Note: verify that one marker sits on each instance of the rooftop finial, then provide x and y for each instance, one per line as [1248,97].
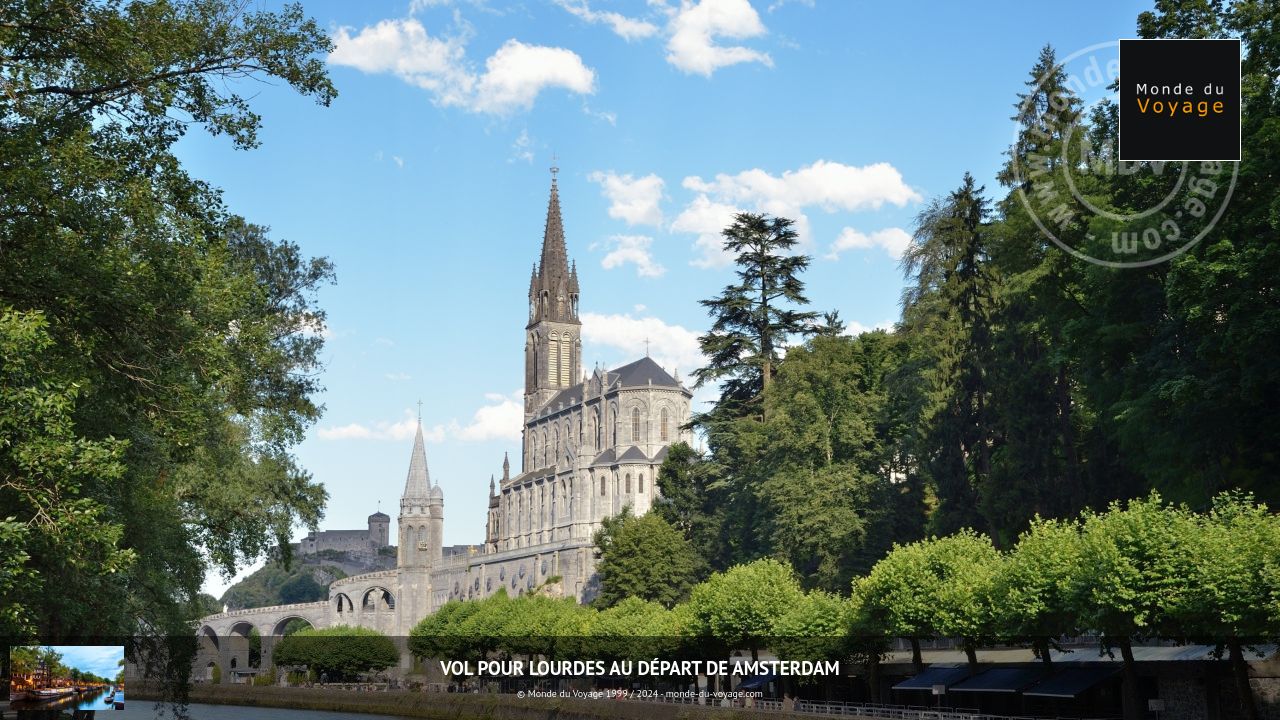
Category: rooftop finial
[554,168]
[419,410]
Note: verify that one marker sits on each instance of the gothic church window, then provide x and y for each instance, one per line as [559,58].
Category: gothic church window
[566,350]
[602,486]
[641,488]
[627,487]
[635,424]
[664,425]
[553,358]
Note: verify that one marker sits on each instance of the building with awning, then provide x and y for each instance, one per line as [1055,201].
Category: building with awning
[1071,682]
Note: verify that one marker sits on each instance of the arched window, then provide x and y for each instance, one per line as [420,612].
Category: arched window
[664,425]
[641,482]
[603,491]
[555,457]
[627,487]
[566,358]
[635,424]
[553,358]
[546,449]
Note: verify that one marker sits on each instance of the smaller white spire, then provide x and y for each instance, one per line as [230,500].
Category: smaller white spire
[418,482]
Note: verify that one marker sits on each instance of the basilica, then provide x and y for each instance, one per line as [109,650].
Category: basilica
[592,445]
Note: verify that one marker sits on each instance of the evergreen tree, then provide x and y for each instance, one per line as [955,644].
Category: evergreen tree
[754,318]
[949,302]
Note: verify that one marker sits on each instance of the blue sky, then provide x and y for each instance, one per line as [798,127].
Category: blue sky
[101,660]
[426,183]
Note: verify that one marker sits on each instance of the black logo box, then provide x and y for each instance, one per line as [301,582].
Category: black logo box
[1160,77]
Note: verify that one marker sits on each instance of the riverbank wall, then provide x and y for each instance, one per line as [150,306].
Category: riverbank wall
[449,706]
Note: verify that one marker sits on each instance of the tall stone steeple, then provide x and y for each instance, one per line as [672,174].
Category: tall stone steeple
[421,522]
[553,337]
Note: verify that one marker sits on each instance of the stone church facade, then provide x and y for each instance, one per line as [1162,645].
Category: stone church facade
[592,445]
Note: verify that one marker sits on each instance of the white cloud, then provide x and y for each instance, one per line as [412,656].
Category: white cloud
[402,429]
[829,185]
[627,28]
[893,240]
[522,148]
[398,160]
[605,115]
[398,377]
[638,201]
[671,346]
[512,79]
[779,3]
[706,219]
[694,28]
[516,73]
[633,249]
[853,327]
[640,307]
[501,419]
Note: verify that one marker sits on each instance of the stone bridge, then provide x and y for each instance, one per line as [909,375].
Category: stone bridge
[225,638]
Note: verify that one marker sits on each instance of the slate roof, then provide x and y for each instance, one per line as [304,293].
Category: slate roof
[641,372]
[634,374]
[633,454]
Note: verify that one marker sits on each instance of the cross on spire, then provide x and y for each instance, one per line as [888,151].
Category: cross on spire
[419,410]
[646,347]
[554,168]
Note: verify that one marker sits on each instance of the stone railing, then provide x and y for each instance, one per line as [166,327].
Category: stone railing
[268,610]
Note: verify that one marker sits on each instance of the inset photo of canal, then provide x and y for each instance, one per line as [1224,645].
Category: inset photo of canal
[49,680]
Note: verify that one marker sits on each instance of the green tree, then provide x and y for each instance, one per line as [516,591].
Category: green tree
[753,318]
[342,652]
[935,587]
[826,412]
[742,606]
[58,537]
[1032,591]
[1128,575]
[949,301]
[1232,570]
[688,502]
[645,558]
[182,349]
[632,629]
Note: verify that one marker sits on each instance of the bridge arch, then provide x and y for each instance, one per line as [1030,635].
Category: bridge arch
[282,625]
[343,603]
[208,638]
[378,599]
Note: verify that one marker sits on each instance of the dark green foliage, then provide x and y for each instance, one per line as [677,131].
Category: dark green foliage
[168,344]
[344,653]
[306,579]
[645,558]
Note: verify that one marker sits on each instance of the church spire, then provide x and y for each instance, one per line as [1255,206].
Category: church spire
[554,288]
[553,343]
[418,483]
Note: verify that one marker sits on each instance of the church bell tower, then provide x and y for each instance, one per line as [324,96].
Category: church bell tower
[421,521]
[553,337]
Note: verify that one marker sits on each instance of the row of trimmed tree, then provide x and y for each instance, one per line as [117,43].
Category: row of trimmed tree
[1142,571]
